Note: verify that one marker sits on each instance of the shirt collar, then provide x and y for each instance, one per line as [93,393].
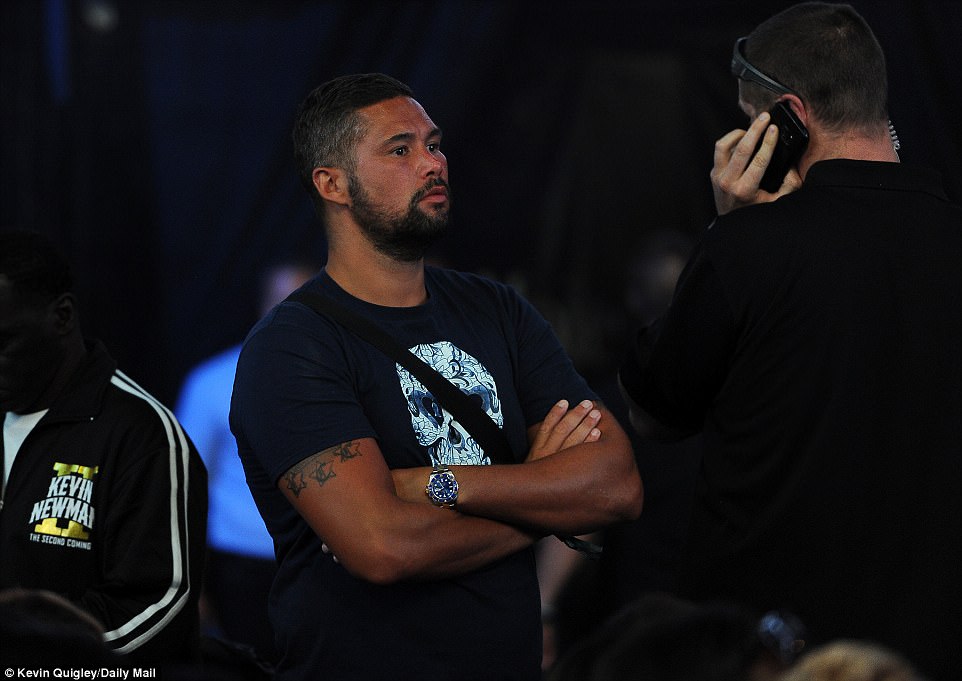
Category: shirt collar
[876,175]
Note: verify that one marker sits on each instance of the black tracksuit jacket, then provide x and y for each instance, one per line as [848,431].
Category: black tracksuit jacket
[106,505]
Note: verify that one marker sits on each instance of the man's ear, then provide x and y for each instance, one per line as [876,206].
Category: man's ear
[63,312]
[331,184]
[798,108]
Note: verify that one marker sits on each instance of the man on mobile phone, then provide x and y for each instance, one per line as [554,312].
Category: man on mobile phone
[814,339]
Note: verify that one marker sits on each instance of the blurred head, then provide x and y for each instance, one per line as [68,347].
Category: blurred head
[42,629]
[667,638]
[827,55]
[280,279]
[38,321]
[852,661]
[49,608]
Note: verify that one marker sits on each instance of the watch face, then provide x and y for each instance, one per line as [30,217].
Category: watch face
[443,488]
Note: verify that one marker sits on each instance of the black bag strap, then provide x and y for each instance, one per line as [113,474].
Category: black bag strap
[465,409]
[462,407]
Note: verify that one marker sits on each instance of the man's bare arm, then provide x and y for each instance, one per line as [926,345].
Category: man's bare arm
[346,494]
[574,489]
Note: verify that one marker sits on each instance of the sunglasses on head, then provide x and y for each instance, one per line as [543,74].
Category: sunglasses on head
[743,70]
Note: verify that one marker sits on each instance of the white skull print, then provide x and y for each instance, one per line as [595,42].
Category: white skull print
[446,440]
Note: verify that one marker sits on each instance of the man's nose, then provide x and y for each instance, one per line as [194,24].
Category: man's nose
[433,162]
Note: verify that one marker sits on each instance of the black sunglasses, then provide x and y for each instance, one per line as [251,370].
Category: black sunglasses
[743,70]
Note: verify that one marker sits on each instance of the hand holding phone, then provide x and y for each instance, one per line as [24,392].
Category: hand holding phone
[792,141]
[737,177]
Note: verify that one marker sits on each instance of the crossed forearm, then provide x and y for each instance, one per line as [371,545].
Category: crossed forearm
[577,490]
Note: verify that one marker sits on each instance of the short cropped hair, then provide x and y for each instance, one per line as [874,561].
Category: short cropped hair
[328,126]
[829,55]
[35,268]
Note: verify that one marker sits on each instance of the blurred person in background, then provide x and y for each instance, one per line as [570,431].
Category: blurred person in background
[240,551]
[40,629]
[851,661]
[659,637]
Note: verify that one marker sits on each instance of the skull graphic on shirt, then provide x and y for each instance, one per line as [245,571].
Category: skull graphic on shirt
[446,440]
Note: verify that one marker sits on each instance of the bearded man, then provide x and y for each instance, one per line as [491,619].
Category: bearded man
[377,579]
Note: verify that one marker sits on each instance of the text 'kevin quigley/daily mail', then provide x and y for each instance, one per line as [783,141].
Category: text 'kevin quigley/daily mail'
[79,673]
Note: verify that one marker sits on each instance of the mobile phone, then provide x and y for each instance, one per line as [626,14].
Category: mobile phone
[792,140]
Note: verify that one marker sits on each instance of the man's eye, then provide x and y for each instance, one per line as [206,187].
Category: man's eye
[435,146]
[400,151]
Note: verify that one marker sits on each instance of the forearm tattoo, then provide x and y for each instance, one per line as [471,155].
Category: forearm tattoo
[320,466]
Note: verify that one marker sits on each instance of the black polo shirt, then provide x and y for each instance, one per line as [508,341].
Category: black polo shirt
[817,343]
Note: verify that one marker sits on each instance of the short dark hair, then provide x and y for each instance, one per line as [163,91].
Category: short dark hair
[36,269]
[829,55]
[328,126]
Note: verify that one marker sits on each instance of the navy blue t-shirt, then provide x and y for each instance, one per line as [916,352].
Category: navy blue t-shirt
[305,384]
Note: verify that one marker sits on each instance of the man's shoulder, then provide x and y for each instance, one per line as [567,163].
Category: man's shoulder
[469,288]
[129,406]
[119,423]
[283,325]
[462,278]
[760,226]
[770,212]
